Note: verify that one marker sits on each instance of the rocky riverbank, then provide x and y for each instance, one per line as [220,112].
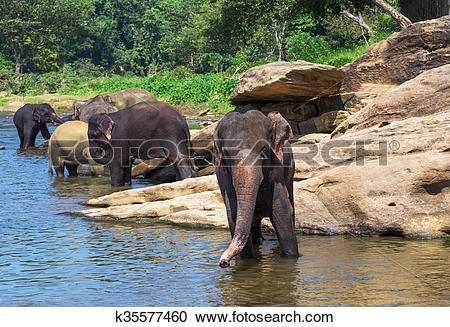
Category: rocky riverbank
[371,162]
[384,171]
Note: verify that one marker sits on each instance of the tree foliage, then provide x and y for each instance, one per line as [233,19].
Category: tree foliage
[183,36]
[35,28]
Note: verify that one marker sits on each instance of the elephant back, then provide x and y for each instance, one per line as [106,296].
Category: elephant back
[128,97]
[97,105]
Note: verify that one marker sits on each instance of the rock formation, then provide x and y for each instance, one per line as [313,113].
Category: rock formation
[401,57]
[287,81]
[385,167]
[306,94]
[385,171]
[426,94]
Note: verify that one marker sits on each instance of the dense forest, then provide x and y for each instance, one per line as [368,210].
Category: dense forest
[197,47]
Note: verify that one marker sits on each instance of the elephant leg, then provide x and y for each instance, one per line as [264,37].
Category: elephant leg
[59,171]
[72,169]
[247,252]
[116,174]
[58,165]
[282,220]
[228,195]
[183,168]
[127,175]
[256,231]
[44,132]
[21,136]
[29,138]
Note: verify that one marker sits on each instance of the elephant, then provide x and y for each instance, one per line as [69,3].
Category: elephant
[77,105]
[255,169]
[69,147]
[93,106]
[143,131]
[31,119]
[128,97]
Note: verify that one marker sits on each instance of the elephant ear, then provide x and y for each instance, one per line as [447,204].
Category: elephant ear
[281,132]
[38,114]
[76,110]
[105,125]
[107,98]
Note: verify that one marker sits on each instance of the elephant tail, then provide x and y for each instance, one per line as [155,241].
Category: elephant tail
[50,170]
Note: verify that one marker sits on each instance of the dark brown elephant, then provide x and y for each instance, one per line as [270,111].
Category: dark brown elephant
[96,105]
[255,169]
[143,131]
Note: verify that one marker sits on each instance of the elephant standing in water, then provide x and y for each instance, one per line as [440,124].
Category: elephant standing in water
[111,102]
[84,111]
[255,169]
[32,119]
[143,131]
[69,147]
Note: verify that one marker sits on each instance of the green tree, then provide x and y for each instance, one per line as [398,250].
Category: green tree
[324,8]
[240,20]
[37,26]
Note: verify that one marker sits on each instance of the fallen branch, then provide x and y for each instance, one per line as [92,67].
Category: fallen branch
[358,20]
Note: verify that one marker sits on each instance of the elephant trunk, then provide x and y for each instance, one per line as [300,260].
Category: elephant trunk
[56,119]
[246,200]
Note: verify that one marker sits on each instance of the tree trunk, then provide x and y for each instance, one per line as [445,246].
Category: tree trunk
[398,17]
[279,45]
[279,38]
[418,10]
[18,51]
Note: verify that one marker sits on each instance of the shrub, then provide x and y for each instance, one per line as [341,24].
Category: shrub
[303,46]
[5,64]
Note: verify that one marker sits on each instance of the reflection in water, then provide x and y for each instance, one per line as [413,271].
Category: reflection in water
[344,271]
[48,258]
[269,281]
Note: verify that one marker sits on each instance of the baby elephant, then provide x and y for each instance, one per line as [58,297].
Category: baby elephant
[69,147]
[31,119]
[255,169]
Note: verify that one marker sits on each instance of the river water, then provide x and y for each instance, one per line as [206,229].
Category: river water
[48,258]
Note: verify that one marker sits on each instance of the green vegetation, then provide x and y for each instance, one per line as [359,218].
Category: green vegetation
[188,53]
[211,89]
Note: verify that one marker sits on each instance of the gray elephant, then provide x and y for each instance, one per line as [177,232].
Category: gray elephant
[255,169]
[69,147]
[126,98]
[96,105]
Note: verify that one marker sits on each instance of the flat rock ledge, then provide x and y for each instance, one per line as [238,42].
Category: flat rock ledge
[287,81]
[369,199]
[157,193]
[195,202]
